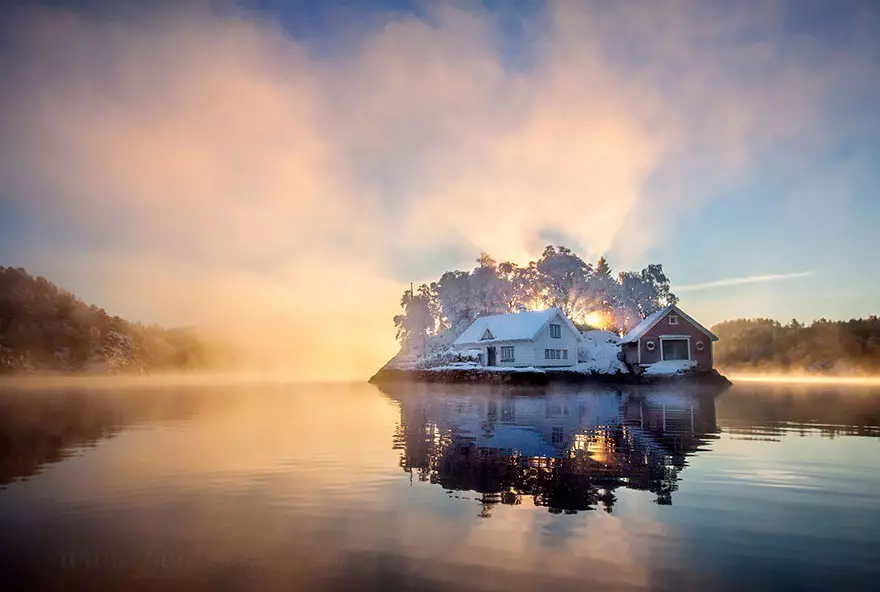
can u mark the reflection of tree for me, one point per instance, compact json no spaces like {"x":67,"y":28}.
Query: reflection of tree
{"x":568,"y":452}
{"x":37,"y":428}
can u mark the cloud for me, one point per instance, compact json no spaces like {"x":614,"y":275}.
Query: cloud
{"x":738,"y":281}
{"x":206,"y":165}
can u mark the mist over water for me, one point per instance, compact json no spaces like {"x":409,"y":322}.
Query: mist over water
{"x":272,"y":485}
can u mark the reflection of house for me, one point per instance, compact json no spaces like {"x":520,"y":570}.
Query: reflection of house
{"x":668,"y":334}
{"x":567,"y":451}
{"x":532,"y":338}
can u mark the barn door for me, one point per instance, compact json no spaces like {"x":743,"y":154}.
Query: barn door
{"x":674,"y":349}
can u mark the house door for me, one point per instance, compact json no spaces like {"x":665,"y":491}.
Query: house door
{"x":490,"y":356}
{"x":674,"y":349}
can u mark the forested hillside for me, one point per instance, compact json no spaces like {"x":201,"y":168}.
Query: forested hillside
{"x":46,"y":328}
{"x":826,"y":347}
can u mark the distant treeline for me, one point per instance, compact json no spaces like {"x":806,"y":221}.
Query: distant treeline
{"x":827,"y":347}
{"x":46,"y":328}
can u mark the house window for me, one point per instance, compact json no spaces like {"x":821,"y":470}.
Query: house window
{"x":557,"y":436}
{"x":673,"y":319}
{"x":556,"y":331}
{"x":555,"y":354}
{"x":507,"y":353}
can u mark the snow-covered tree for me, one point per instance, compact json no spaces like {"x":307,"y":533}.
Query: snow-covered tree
{"x":416,"y":323}
{"x":641,"y":294}
{"x":563,"y":278}
{"x":443,"y":309}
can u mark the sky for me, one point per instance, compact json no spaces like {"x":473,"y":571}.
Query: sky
{"x":283,"y":170}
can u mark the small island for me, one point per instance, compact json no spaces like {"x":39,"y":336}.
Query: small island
{"x":629,"y":329}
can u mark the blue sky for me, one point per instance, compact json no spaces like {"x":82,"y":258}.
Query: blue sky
{"x":325,"y":154}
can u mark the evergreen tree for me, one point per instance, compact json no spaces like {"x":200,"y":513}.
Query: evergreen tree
{"x":602,"y":267}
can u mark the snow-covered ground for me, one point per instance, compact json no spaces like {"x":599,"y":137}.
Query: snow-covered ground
{"x":670,"y":367}
{"x":597,"y":354}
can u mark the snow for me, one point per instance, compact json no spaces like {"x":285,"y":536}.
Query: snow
{"x":598,"y":354}
{"x":643,"y":327}
{"x":670,"y":367}
{"x":510,"y":327}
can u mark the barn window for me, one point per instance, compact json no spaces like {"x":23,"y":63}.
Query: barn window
{"x":507,"y":353}
{"x":700,"y":346}
{"x":650,"y":346}
{"x":556,"y":331}
{"x":673,"y":319}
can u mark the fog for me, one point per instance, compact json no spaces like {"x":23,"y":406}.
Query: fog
{"x":796,"y":378}
{"x":203,"y":166}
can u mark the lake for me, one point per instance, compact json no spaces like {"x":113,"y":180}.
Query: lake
{"x":351,"y":486}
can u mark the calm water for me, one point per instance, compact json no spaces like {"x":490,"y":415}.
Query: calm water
{"x":349,"y":487}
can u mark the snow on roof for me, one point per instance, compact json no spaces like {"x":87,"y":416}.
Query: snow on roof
{"x":639,"y":330}
{"x":521,"y":326}
{"x":636,"y":333}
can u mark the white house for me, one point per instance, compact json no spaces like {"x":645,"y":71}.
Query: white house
{"x":533,"y":338}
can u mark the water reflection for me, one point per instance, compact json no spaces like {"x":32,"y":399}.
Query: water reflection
{"x":298,"y":487}
{"x":563,"y":450}
{"x":43,"y":427}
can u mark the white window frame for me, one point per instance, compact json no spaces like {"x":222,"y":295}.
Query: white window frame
{"x":687,"y":338}
{"x":673,"y":319}
{"x":546,"y":353}
{"x":555,"y":331}
{"x":512,"y":351}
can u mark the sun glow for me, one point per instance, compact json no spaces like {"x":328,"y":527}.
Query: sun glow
{"x":596,"y":319}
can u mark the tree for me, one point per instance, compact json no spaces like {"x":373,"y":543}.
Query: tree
{"x":416,"y":322}
{"x":602,"y":267}
{"x":641,"y":294}
{"x":563,"y":277}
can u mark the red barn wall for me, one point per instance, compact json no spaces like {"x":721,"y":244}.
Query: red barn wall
{"x":683,"y":328}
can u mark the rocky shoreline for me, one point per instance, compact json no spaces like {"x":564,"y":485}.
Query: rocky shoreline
{"x":543,"y":378}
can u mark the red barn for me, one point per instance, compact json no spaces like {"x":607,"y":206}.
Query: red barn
{"x":668,"y":334}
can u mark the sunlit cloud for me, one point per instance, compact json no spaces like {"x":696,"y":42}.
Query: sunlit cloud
{"x":739,"y":281}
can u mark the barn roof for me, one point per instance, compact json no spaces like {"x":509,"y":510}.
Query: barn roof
{"x":521,"y":326}
{"x":639,"y":330}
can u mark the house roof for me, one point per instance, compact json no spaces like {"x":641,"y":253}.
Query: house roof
{"x":521,"y":326}
{"x":639,"y":330}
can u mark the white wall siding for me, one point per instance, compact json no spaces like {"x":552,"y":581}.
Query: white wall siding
{"x":567,"y":341}
{"x":531,"y":353}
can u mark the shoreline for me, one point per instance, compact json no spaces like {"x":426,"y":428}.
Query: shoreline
{"x":543,"y":378}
